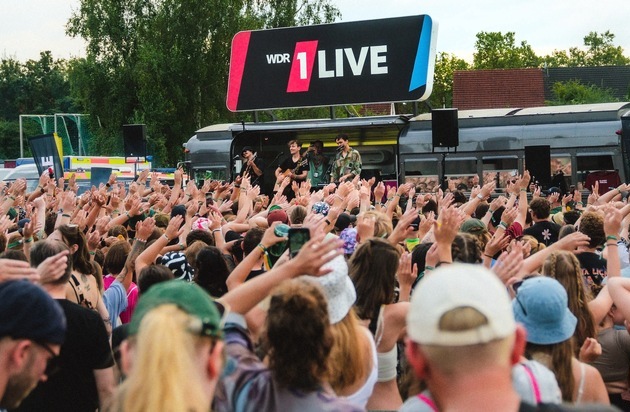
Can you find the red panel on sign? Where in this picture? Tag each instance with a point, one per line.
(240, 45)
(302, 66)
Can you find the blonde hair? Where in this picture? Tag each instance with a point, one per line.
(382, 224)
(165, 373)
(348, 353)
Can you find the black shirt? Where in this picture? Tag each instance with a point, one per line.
(73, 387)
(545, 232)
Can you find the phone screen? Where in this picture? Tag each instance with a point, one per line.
(298, 236)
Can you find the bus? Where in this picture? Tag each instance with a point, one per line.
(582, 139)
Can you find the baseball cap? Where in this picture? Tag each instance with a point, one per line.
(472, 226)
(247, 149)
(28, 312)
(542, 306)
(277, 215)
(456, 286)
(338, 288)
(189, 297)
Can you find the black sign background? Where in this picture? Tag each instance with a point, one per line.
(264, 85)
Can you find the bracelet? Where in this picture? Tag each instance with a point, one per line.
(11, 197)
(327, 221)
(490, 256)
(611, 244)
(611, 237)
(28, 239)
(128, 215)
(182, 246)
(141, 240)
(237, 185)
(65, 215)
(427, 267)
(503, 225)
(116, 211)
(216, 230)
(262, 247)
(490, 211)
(396, 195)
(92, 252)
(523, 189)
(166, 237)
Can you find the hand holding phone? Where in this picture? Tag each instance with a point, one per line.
(298, 236)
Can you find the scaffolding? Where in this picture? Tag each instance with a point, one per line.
(72, 143)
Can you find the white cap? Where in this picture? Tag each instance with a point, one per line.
(338, 288)
(457, 286)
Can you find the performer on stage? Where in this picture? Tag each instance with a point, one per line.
(253, 165)
(295, 166)
(347, 163)
(317, 163)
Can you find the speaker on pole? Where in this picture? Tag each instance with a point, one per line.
(538, 162)
(445, 128)
(134, 140)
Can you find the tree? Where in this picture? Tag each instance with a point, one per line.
(495, 50)
(165, 62)
(445, 66)
(600, 51)
(575, 92)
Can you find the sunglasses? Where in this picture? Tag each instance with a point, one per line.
(53, 364)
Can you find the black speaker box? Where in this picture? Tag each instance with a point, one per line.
(445, 128)
(134, 140)
(538, 162)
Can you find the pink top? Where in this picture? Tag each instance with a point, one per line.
(132, 298)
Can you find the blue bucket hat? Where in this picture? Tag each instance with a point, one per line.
(321, 207)
(542, 306)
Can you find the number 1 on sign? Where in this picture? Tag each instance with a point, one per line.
(302, 66)
(301, 56)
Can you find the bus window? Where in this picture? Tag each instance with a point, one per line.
(210, 174)
(461, 173)
(423, 174)
(561, 172)
(591, 163)
(500, 170)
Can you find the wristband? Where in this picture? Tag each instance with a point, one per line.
(28, 239)
(182, 246)
(611, 237)
(141, 240)
(216, 230)
(262, 247)
(65, 215)
(166, 237)
(479, 196)
(503, 225)
(611, 244)
(427, 267)
(523, 189)
(92, 252)
(490, 256)
(490, 211)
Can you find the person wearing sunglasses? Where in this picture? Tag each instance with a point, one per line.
(32, 330)
(84, 380)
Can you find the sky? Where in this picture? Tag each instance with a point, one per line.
(28, 27)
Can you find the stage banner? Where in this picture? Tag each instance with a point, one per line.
(386, 60)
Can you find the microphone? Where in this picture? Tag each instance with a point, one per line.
(339, 148)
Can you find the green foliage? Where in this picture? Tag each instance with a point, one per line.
(575, 92)
(166, 61)
(600, 51)
(495, 50)
(445, 66)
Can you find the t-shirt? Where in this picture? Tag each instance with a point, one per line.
(132, 298)
(545, 232)
(254, 178)
(115, 300)
(73, 387)
(594, 270)
(614, 362)
(295, 167)
(247, 383)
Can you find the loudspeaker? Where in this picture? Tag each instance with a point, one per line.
(445, 128)
(134, 140)
(538, 162)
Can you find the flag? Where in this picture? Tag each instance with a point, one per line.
(46, 154)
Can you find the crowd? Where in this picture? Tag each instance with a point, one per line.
(185, 298)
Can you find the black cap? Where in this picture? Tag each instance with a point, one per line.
(28, 312)
(246, 149)
(344, 220)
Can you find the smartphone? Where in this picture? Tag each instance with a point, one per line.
(298, 236)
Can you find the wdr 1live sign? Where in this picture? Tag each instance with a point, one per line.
(388, 60)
